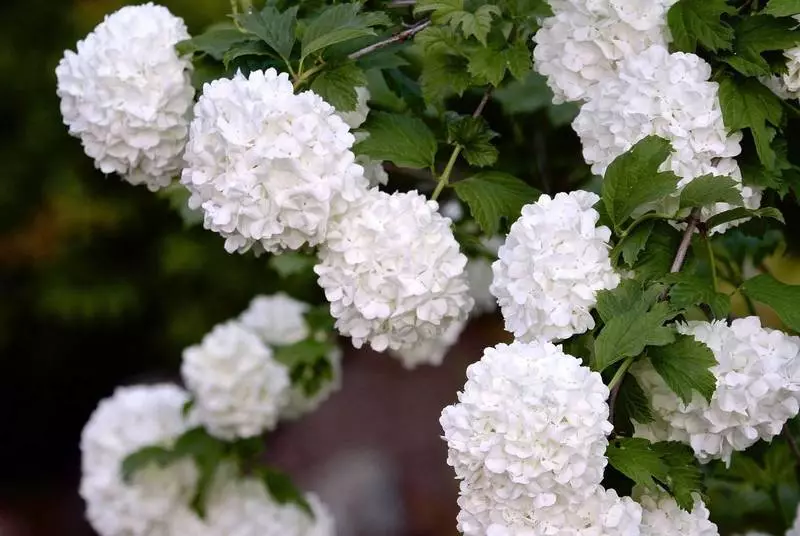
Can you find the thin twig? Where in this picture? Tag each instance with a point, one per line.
(792, 443)
(399, 37)
(686, 241)
(479, 110)
(402, 3)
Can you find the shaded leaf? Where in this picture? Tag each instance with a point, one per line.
(636, 242)
(475, 137)
(708, 189)
(402, 139)
(337, 86)
(694, 22)
(627, 335)
(782, 298)
(494, 195)
(684, 365)
(741, 213)
(276, 29)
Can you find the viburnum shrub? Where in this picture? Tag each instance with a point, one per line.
(630, 392)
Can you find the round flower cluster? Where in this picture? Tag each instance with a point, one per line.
(552, 265)
(239, 389)
(133, 418)
(529, 430)
(758, 390)
(661, 515)
(127, 94)
(269, 168)
(580, 46)
(392, 272)
(278, 319)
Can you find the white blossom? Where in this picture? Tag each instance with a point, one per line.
(269, 168)
(580, 47)
(757, 390)
(133, 418)
(531, 421)
(277, 319)
(552, 265)
(392, 272)
(429, 351)
(239, 389)
(661, 516)
(355, 118)
(127, 94)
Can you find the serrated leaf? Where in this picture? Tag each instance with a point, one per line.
(308, 363)
(207, 452)
(475, 24)
(246, 48)
(484, 65)
(337, 86)
(336, 24)
(475, 138)
(694, 22)
(441, 9)
(632, 402)
(494, 195)
(740, 213)
(627, 335)
(760, 33)
(518, 59)
(748, 64)
(157, 455)
(684, 365)
(402, 139)
(214, 42)
(782, 8)
(636, 241)
(689, 289)
(629, 296)
(708, 190)
(443, 76)
(656, 259)
(281, 488)
(633, 179)
(749, 104)
(684, 476)
(782, 298)
(276, 29)
(634, 458)
(292, 263)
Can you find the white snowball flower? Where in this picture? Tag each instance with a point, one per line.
(551, 267)
(239, 389)
(531, 419)
(661, 516)
(133, 418)
(279, 319)
(429, 351)
(758, 390)
(663, 94)
(356, 118)
(393, 273)
(580, 46)
(452, 209)
(269, 168)
(127, 94)
(300, 403)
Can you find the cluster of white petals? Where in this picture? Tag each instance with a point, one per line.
(239, 388)
(277, 319)
(758, 390)
(429, 351)
(661, 516)
(133, 418)
(269, 168)
(552, 265)
(392, 272)
(580, 46)
(127, 94)
(529, 429)
(787, 85)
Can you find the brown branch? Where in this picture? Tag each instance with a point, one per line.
(486, 95)
(399, 37)
(686, 241)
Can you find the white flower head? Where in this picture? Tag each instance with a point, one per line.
(531, 421)
(430, 351)
(757, 391)
(392, 272)
(239, 389)
(552, 265)
(127, 94)
(269, 168)
(661, 515)
(278, 319)
(133, 418)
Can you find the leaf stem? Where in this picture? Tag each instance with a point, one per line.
(616, 380)
(444, 179)
(686, 241)
(399, 37)
(302, 76)
(615, 252)
(712, 261)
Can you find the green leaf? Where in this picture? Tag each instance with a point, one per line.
(782, 8)
(475, 24)
(684, 365)
(634, 458)
(292, 263)
(749, 104)
(443, 76)
(518, 59)
(207, 452)
(245, 48)
(632, 402)
(402, 139)
(684, 476)
(274, 28)
(280, 486)
(656, 259)
(319, 319)
(628, 334)
(748, 64)
(143, 457)
(336, 24)
(337, 86)
(694, 22)
(708, 189)
(494, 195)
(441, 9)
(308, 363)
(474, 135)
(760, 33)
(689, 289)
(741, 213)
(636, 242)
(633, 179)
(484, 65)
(782, 298)
(214, 42)
(628, 297)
